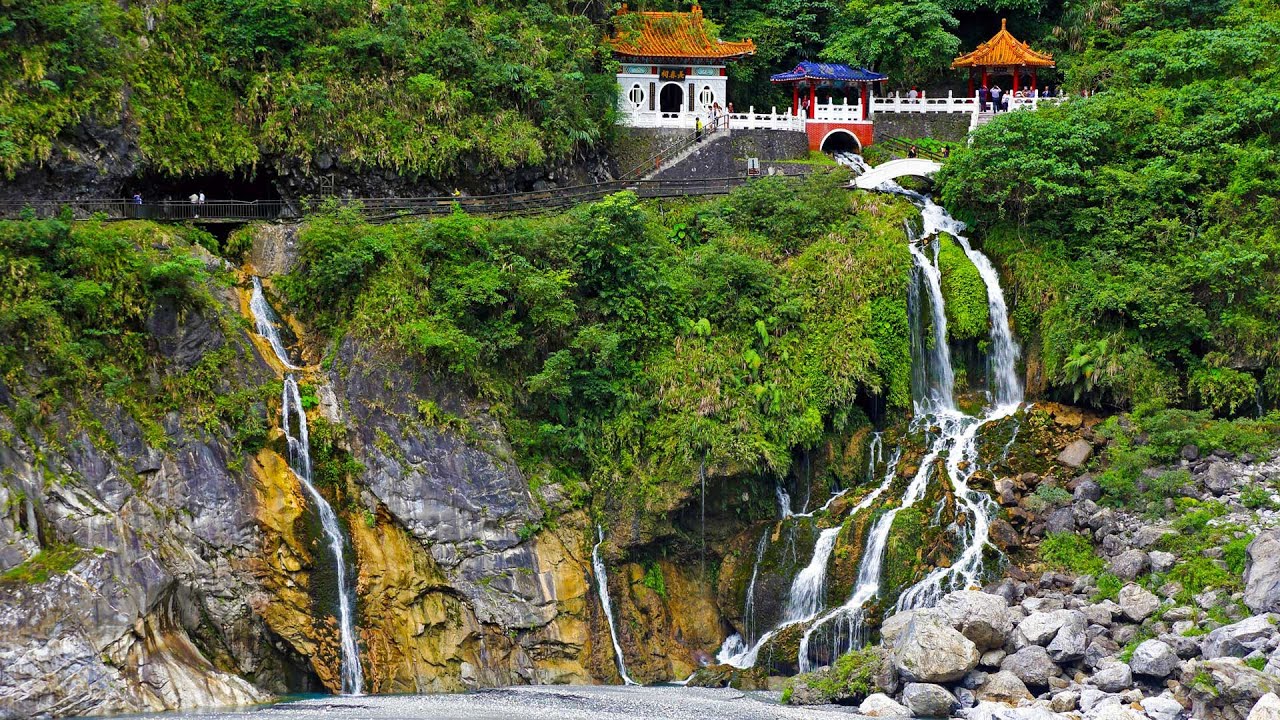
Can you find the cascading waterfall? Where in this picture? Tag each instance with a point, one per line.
(300, 462)
(602, 587)
(949, 433)
(749, 607)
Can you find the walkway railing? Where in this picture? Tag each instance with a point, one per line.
(385, 208)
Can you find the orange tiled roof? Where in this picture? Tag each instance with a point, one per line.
(1003, 50)
(675, 35)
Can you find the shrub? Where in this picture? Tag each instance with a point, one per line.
(1069, 551)
(1108, 587)
(49, 562)
(1256, 497)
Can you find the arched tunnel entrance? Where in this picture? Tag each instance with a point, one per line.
(840, 141)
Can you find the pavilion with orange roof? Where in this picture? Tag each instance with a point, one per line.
(672, 69)
(1003, 55)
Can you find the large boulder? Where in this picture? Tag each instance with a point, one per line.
(1032, 665)
(1004, 687)
(1039, 628)
(1220, 478)
(881, 705)
(1239, 639)
(1262, 573)
(1130, 564)
(1113, 678)
(1155, 659)
(1072, 639)
(982, 617)
(1225, 687)
(1267, 708)
(1137, 603)
(1160, 707)
(926, 700)
(930, 651)
(1076, 454)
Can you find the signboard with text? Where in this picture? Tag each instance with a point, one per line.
(673, 74)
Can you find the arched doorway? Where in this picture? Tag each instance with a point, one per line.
(671, 98)
(840, 141)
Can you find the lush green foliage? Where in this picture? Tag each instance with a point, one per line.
(49, 562)
(418, 86)
(625, 345)
(1069, 551)
(1140, 225)
(968, 315)
(907, 39)
(849, 680)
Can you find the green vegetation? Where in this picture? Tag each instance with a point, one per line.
(968, 315)
(1139, 225)
(1047, 497)
(1068, 551)
(850, 679)
(619, 346)
(654, 580)
(418, 86)
(49, 562)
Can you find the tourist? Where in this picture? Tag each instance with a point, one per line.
(996, 92)
(697, 129)
(946, 151)
(913, 94)
(716, 113)
(911, 153)
(984, 98)
(137, 205)
(201, 198)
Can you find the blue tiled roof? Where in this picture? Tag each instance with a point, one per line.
(828, 71)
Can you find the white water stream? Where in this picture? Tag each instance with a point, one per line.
(291, 410)
(950, 434)
(602, 587)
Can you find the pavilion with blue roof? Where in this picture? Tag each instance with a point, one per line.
(837, 78)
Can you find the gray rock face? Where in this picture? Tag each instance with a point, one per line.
(1076, 454)
(1039, 628)
(1239, 639)
(1062, 520)
(926, 700)
(1130, 564)
(1155, 659)
(1262, 573)
(979, 616)
(1137, 603)
(1032, 665)
(1113, 678)
(1226, 687)
(929, 651)
(1162, 562)
(1160, 707)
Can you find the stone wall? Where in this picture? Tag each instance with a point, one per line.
(725, 157)
(953, 127)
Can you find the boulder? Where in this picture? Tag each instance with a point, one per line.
(1064, 701)
(881, 705)
(1160, 707)
(1267, 708)
(930, 651)
(1155, 659)
(1076, 454)
(1072, 639)
(992, 658)
(1137, 603)
(1061, 520)
(1190, 453)
(1099, 614)
(1149, 535)
(894, 625)
(1225, 687)
(1032, 665)
(1113, 678)
(1162, 562)
(1220, 478)
(981, 617)
(1004, 687)
(1262, 573)
(1088, 489)
(1239, 639)
(1130, 564)
(926, 700)
(1039, 628)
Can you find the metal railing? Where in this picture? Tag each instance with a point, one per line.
(126, 209)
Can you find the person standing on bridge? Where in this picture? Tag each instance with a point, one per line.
(996, 92)
(201, 198)
(984, 98)
(912, 152)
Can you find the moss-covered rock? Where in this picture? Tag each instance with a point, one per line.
(968, 316)
(849, 681)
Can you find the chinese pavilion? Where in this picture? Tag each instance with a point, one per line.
(815, 88)
(672, 70)
(1003, 55)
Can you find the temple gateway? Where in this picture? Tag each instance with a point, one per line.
(672, 70)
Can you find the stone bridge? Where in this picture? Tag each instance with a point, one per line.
(894, 169)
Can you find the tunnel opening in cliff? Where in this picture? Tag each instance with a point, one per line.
(156, 186)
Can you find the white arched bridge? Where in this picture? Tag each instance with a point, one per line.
(894, 169)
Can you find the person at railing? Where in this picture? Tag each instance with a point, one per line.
(697, 129)
(984, 98)
(996, 98)
(913, 95)
(912, 152)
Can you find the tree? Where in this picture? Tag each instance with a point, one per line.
(909, 39)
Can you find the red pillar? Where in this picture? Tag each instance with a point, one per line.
(984, 78)
(1033, 80)
(795, 99)
(866, 101)
(813, 98)
(1017, 74)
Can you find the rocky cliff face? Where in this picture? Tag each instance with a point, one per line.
(157, 563)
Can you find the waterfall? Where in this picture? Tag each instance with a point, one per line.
(300, 462)
(702, 477)
(602, 587)
(784, 502)
(805, 598)
(749, 607)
